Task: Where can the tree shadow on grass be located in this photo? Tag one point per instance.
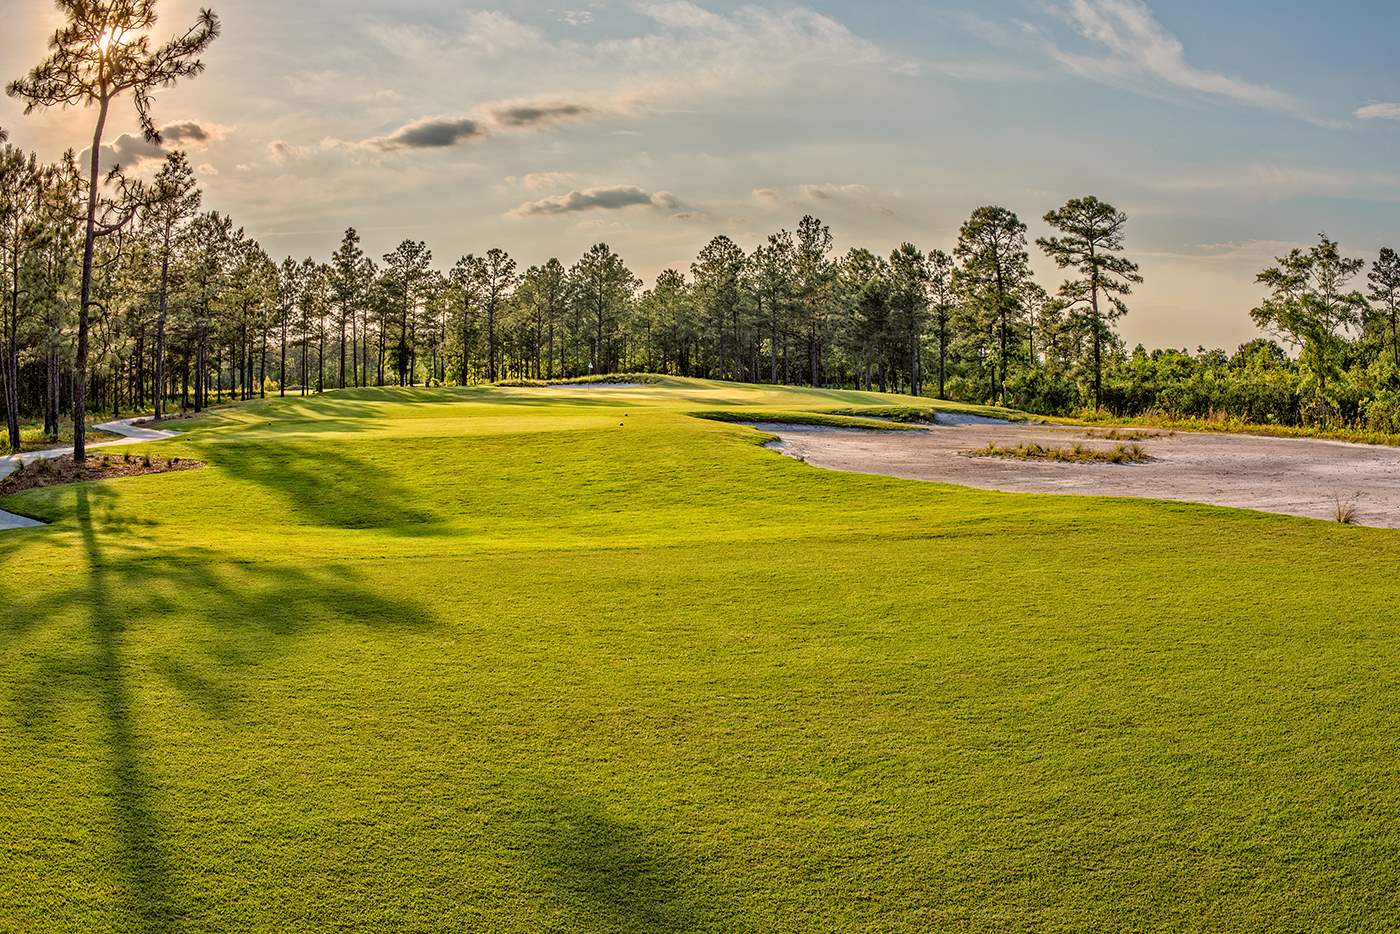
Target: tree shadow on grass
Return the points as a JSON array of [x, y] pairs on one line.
[[324, 485], [600, 871], [244, 612]]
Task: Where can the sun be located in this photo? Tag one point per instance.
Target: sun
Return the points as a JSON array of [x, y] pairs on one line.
[[112, 35]]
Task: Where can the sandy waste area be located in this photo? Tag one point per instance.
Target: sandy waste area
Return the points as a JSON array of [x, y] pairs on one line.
[[1292, 476]]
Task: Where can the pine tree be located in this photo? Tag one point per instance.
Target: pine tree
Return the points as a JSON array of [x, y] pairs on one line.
[[100, 56], [1385, 296], [909, 287], [346, 285], [1090, 243], [942, 302], [175, 202], [995, 263]]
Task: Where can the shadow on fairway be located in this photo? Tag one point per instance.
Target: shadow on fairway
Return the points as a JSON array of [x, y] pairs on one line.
[[245, 615], [608, 874], [324, 485], [136, 823]]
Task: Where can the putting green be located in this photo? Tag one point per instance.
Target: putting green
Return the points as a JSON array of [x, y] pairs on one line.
[[570, 659]]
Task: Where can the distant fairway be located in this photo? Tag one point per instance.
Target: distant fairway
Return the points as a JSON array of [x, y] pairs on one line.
[[570, 659]]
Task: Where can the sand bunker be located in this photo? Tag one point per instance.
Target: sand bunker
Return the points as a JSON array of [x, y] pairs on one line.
[[1292, 476]]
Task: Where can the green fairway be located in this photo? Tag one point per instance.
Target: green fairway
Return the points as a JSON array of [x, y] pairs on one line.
[[571, 659]]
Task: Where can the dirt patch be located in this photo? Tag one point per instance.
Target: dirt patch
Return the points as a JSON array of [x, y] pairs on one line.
[[60, 470], [1291, 476]]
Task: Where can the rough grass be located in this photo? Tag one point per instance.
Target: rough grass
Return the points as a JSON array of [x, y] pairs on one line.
[[1074, 454], [32, 438], [785, 417], [639, 379], [1121, 434], [506, 660], [1228, 424]]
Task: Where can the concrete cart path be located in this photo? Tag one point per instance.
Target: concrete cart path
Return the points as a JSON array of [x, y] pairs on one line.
[[130, 432]]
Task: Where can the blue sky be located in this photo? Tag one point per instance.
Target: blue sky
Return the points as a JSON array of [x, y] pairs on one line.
[[1229, 132]]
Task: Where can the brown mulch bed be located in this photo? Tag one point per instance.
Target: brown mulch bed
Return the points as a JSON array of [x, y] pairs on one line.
[[64, 469]]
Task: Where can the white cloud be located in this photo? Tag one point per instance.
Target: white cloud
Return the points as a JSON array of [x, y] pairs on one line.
[[829, 192], [281, 151], [1381, 110], [1279, 182], [695, 52], [542, 181], [598, 199], [1135, 50], [485, 34]]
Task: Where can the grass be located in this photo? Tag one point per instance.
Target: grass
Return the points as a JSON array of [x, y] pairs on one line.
[[568, 659], [1229, 424], [1120, 434], [788, 417], [32, 438], [641, 379], [1075, 454]]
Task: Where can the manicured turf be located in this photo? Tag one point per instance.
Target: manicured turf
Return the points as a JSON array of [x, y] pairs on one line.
[[569, 659]]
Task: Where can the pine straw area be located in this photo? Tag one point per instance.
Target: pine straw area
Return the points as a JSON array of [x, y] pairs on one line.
[[60, 470]]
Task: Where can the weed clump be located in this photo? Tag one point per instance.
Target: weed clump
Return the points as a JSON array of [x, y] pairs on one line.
[[1345, 510], [1120, 434], [1133, 453]]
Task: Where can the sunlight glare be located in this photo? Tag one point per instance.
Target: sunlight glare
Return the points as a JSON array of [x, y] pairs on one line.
[[112, 35]]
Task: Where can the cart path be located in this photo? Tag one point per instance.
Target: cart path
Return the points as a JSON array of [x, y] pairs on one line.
[[131, 434]]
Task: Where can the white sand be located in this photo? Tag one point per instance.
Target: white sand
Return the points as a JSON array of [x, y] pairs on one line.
[[1292, 476]]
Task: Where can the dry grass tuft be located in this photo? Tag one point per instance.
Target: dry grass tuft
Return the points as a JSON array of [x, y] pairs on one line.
[[1077, 454], [1345, 509]]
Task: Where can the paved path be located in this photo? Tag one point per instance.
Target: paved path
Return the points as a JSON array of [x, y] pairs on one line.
[[1293, 476], [131, 434]]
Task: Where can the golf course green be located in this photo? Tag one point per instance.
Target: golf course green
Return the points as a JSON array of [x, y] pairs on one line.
[[572, 659]]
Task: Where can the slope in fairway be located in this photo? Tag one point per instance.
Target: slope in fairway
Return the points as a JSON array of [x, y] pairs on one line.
[[571, 659]]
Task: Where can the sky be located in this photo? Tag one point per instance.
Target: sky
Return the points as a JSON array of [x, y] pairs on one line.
[[1229, 132]]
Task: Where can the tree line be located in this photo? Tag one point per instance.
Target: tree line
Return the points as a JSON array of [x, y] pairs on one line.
[[126, 295], [185, 307]]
